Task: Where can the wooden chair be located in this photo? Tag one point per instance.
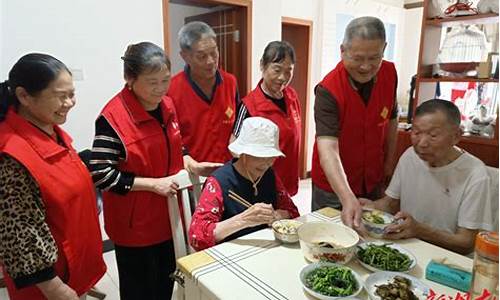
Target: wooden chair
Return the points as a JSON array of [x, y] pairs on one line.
[[180, 229], [186, 183]]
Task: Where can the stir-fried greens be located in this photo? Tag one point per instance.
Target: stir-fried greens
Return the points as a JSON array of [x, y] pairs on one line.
[[385, 258], [399, 289], [334, 281]]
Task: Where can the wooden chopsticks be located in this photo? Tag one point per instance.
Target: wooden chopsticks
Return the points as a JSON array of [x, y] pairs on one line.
[[239, 199]]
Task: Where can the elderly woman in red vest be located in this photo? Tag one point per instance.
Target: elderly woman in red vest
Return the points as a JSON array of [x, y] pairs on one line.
[[275, 100], [218, 217], [137, 147], [50, 240]]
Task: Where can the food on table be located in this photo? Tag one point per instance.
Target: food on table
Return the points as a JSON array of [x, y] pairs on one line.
[[286, 227], [384, 258], [328, 244], [399, 289], [374, 216], [334, 281]]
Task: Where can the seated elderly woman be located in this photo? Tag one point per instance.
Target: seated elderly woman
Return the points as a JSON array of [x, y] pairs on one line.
[[218, 217]]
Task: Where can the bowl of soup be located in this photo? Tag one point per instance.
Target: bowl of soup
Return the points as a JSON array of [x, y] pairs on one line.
[[326, 241]]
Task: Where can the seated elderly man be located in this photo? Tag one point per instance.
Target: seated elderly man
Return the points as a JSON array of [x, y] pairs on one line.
[[219, 216], [439, 192]]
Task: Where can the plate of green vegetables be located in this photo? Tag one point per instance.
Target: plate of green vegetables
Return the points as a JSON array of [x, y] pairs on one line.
[[329, 281], [379, 256]]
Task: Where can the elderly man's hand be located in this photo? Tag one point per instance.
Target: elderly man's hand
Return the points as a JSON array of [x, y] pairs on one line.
[[351, 212], [406, 227], [366, 203]]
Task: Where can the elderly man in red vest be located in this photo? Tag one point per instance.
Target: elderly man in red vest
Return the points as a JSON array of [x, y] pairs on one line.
[[205, 99], [356, 123]]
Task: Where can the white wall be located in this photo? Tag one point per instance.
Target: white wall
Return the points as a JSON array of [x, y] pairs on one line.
[[177, 14], [410, 48], [90, 35], [266, 27]]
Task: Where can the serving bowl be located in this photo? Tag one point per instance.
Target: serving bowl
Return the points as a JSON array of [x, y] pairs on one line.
[[325, 241], [375, 221], [317, 294], [388, 262], [286, 230]]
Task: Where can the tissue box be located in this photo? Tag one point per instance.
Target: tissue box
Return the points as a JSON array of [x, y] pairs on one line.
[[446, 275]]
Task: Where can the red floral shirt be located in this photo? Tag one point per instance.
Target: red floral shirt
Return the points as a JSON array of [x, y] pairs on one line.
[[211, 207]]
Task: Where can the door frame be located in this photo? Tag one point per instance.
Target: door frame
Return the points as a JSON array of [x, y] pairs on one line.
[[309, 24], [246, 5]]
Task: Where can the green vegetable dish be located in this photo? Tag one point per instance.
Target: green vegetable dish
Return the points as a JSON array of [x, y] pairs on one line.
[[333, 281], [384, 258]]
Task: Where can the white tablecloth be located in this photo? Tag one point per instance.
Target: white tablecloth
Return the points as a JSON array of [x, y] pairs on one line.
[[257, 266]]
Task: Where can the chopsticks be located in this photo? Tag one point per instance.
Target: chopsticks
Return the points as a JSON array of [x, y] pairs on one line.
[[239, 199]]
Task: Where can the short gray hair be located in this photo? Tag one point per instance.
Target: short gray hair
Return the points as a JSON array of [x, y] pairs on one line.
[[448, 108], [193, 32], [366, 28]]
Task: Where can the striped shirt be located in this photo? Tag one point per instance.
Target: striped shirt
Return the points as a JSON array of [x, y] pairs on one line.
[[107, 152], [243, 111]]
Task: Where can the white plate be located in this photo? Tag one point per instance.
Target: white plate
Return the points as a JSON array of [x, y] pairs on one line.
[[390, 245], [316, 265], [420, 289]]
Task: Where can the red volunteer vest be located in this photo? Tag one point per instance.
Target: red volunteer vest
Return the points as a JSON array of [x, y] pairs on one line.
[[140, 218], [205, 128], [289, 124], [363, 128], [69, 197]]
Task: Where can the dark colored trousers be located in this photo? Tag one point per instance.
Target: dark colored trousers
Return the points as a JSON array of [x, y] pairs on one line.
[[321, 198], [144, 271]]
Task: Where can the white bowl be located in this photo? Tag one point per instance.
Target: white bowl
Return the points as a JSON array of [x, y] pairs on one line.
[[286, 230], [343, 237], [390, 245], [376, 230], [420, 289], [313, 266]]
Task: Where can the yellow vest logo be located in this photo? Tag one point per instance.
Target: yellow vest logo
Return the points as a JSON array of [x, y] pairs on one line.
[[229, 112], [384, 113]]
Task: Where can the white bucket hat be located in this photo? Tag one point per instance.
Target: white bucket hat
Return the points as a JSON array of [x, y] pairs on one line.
[[258, 137]]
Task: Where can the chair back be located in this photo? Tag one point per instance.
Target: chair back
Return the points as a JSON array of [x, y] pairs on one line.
[[188, 200]]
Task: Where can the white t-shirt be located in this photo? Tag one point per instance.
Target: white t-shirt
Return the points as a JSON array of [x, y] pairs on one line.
[[455, 195]]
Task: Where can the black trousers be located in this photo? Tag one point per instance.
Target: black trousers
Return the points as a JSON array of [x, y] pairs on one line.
[[144, 271]]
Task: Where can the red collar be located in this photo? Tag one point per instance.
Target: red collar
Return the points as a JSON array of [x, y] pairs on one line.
[[136, 111], [42, 143]]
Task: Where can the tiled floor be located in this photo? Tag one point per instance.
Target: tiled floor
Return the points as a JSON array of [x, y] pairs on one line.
[[109, 283]]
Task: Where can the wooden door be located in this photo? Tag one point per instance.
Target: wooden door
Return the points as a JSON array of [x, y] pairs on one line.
[[227, 25], [298, 33]]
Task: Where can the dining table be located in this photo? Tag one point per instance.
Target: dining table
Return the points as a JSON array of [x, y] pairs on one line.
[[257, 266]]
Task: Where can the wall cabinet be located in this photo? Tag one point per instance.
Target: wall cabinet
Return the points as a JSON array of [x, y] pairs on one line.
[[428, 83]]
